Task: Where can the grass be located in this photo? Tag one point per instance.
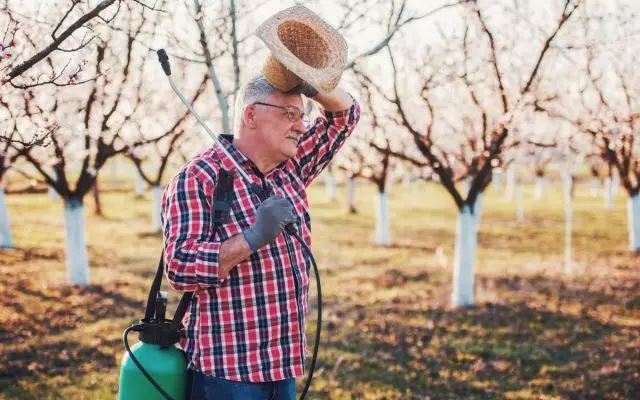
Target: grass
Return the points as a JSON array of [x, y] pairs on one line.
[[389, 333]]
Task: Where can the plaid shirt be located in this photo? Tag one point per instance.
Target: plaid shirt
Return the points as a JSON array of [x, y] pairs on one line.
[[248, 326]]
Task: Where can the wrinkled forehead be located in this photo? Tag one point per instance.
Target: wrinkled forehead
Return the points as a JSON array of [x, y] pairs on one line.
[[283, 99]]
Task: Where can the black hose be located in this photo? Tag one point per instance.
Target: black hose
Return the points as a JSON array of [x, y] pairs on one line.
[[140, 367], [319, 322]]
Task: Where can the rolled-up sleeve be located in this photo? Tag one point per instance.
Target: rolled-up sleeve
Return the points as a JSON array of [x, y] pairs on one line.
[[191, 255], [323, 140]]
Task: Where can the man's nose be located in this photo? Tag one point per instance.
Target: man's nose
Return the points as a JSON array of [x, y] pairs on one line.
[[299, 126]]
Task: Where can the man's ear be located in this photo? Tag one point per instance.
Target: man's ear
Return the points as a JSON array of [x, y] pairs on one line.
[[249, 117]]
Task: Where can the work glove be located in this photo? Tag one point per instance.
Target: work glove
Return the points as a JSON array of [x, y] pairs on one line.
[[272, 216], [305, 89]]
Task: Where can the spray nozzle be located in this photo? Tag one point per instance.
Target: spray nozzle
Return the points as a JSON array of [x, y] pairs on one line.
[[164, 61]]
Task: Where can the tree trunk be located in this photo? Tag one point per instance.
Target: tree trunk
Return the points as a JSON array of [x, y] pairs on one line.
[[568, 212], [156, 207], [595, 187], [497, 181], [520, 202], [608, 193], [6, 242], [633, 213], [351, 195], [52, 192], [76, 246], [539, 188], [96, 198], [511, 184], [139, 184], [615, 185], [330, 185], [382, 219], [406, 180], [465, 255]]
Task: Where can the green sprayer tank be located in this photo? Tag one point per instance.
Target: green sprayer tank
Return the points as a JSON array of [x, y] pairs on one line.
[[167, 366], [154, 368]]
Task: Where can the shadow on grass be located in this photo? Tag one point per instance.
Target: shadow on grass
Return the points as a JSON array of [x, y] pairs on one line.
[[38, 323], [58, 357], [487, 351]]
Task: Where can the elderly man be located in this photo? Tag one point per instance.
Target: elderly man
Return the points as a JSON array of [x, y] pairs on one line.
[[244, 334]]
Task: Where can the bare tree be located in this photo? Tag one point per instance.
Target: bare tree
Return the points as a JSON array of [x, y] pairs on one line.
[[471, 106], [604, 101], [94, 122]]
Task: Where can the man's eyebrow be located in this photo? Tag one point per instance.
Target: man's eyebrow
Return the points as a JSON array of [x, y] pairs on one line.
[[301, 110]]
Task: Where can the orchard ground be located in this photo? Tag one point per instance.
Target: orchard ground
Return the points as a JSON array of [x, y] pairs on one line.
[[389, 332]]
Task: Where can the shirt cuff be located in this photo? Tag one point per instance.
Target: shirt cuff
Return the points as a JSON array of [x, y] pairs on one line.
[[208, 265], [342, 114]]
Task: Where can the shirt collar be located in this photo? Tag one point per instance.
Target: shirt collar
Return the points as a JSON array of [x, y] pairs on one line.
[[226, 141]]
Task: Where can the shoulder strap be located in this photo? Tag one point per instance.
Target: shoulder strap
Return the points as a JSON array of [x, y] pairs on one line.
[[222, 200]]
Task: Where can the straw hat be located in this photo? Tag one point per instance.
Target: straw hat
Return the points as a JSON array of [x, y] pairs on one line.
[[303, 47]]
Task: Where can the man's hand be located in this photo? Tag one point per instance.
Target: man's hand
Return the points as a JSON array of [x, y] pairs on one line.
[[272, 216]]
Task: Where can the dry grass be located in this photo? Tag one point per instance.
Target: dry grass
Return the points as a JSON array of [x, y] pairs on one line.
[[388, 331]]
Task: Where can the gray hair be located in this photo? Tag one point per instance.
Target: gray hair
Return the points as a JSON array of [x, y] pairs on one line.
[[258, 88]]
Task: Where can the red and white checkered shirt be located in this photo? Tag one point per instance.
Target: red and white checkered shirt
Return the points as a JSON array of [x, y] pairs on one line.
[[248, 326]]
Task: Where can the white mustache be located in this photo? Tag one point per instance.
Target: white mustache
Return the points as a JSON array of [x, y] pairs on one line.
[[294, 136]]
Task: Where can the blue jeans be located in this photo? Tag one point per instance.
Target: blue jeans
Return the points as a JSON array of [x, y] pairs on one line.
[[205, 387]]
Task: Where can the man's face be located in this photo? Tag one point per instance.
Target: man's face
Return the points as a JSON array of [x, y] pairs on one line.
[[275, 130]]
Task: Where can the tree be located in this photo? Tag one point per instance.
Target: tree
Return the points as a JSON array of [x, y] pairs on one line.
[[604, 102], [93, 122], [470, 106]]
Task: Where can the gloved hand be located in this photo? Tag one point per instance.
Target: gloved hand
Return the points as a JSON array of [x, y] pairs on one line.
[[305, 89], [272, 216]]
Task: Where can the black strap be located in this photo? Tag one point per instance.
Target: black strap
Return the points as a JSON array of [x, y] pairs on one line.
[[222, 201]]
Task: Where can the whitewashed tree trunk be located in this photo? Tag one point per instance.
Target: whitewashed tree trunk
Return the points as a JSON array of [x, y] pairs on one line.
[[53, 195], [76, 246], [511, 184], [6, 241], [351, 194], [139, 184], [406, 180], [615, 184], [568, 212], [156, 207], [539, 188], [465, 255], [608, 193], [382, 219], [330, 185], [496, 181], [520, 202], [633, 213], [595, 187]]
